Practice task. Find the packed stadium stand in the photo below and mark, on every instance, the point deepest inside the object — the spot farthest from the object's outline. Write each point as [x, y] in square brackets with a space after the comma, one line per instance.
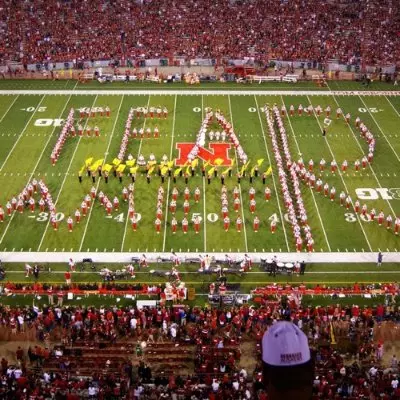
[190, 352]
[346, 30]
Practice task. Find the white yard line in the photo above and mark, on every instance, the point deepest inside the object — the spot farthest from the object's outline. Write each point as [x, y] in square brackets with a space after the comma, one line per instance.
[140, 147]
[65, 177]
[363, 152]
[379, 127]
[98, 179]
[240, 187]
[21, 134]
[394, 108]
[169, 178]
[204, 186]
[311, 190]
[191, 92]
[35, 167]
[8, 109]
[341, 177]
[272, 175]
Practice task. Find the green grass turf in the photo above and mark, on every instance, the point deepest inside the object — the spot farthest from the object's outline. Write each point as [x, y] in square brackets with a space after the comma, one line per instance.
[48, 84]
[25, 151]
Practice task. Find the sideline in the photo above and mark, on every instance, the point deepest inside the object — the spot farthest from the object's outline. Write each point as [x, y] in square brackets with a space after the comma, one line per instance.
[186, 92]
[117, 257]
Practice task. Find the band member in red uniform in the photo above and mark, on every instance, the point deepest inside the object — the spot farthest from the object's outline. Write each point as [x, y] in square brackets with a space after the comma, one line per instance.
[186, 193]
[174, 224]
[172, 207]
[185, 224]
[267, 193]
[299, 244]
[333, 166]
[273, 226]
[196, 225]
[397, 225]
[372, 214]
[326, 189]
[70, 223]
[348, 202]
[197, 195]
[134, 223]
[333, 193]
[32, 204]
[327, 111]
[389, 221]
[256, 224]
[236, 204]
[226, 223]
[381, 216]
[77, 216]
[157, 224]
[239, 224]
[186, 207]
[252, 206]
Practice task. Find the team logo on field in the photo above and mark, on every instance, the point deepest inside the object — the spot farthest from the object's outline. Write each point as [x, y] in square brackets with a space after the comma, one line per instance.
[216, 151]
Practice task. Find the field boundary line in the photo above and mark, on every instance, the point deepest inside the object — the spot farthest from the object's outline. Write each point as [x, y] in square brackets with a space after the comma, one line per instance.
[169, 178]
[240, 186]
[363, 152]
[341, 176]
[278, 194]
[21, 134]
[126, 257]
[189, 92]
[65, 177]
[98, 179]
[312, 192]
[379, 127]
[35, 167]
[9, 108]
[138, 154]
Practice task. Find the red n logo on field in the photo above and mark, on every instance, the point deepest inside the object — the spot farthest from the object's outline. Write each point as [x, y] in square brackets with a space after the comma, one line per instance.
[217, 150]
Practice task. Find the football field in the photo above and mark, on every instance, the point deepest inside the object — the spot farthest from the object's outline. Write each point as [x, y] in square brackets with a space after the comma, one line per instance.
[30, 125]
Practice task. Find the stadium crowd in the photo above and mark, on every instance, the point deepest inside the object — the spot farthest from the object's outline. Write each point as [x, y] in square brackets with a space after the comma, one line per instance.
[359, 374]
[38, 31]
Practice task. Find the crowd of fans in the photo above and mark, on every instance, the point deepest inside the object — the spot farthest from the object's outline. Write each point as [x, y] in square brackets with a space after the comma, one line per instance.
[47, 31]
[353, 368]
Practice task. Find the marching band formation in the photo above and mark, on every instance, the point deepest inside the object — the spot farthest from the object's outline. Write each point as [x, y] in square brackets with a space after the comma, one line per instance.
[227, 132]
[290, 175]
[68, 130]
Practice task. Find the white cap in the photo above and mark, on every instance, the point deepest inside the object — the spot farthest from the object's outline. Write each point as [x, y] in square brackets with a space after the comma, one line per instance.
[285, 345]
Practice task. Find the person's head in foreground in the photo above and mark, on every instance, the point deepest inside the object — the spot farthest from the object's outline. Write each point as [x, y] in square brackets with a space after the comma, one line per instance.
[288, 368]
